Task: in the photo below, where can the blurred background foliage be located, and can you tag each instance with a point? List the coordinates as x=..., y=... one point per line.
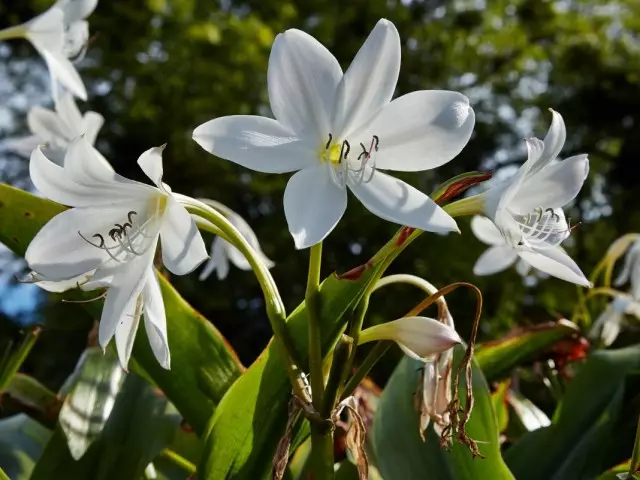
x=156, y=69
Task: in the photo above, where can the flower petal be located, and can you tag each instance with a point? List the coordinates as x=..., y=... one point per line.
x=486, y=231
x=523, y=268
x=421, y=337
x=69, y=113
x=63, y=71
x=557, y=263
x=47, y=29
x=91, y=124
x=420, y=130
x=218, y=261
x=313, y=205
x=75, y=10
x=127, y=329
x=553, y=142
x=151, y=164
x=302, y=79
x=183, y=248
x=46, y=125
x=59, y=252
x=370, y=81
x=553, y=187
x=396, y=201
x=57, y=286
x=155, y=320
x=494, y=259
x=259, y=143
x=23, y=146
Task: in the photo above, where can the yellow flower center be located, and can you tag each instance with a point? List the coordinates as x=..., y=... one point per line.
x=331, y=154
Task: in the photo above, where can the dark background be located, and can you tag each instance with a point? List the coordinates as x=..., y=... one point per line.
x=156, y=69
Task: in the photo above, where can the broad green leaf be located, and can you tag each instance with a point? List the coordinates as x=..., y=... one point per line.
x=497, y=359
x=402, y=455
x=29, y=392
x=571, y=447
x=93, y=388
x=21, y=442
x=140, y=425
x=499, y=401
x=203, y=365
x=619, y=472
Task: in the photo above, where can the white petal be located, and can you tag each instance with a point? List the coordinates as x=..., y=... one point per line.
x=218, y=261
x=70, y=114
x=313, y=205
x=420, y=130
x=59, y=252
x=534, y=148
x=396, y=201
x=122, y=296
x=302, y=80
x=155, y=320
x=127, y=329
x=259, y=143
x=370, y=81
x=486, y=231
x=47, y=30
x=556, y=263
x=494, y=259
x=235, y=256
x=75, y=10
x=91, y=124
x=553, y=187
x=523, y=268
x=63, y=71
x=56, y=286
x=421, y=337
x=47, y=126
x=183, y=248
x=23, y=145
x=151, y=164
x=553, y=142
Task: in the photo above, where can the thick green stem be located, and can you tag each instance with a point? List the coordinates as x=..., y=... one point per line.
x=13, y=32
x=315, y=347
x=15, y=360
x=321, y=460
x=340, y=355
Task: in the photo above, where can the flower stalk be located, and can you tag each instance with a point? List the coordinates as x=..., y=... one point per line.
x=14, y=361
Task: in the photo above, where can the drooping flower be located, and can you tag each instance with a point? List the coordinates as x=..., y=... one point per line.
x=499, y=256
x=109, y=240
x=341, y=130
x=58, y=34
x=631, y=270
x=527, y=208
x=223, y=252
x=419, y=337
x=609, y=324
x=55, y=130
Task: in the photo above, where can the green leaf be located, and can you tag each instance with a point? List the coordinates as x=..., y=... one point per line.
x=571, y=447
x=140, y=425
x=499, y=402
x=497, y=359
x=29, y=392
x=21, y=442
x=94, y=386
x=203, y=365
x=400, y=451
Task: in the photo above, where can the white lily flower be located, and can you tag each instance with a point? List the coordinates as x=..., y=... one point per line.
x=631, y=270
x=340, y=130
x=109, y=240
x=419, y=337
x=609, y=324
x=56, y=129
x=58, y=34
x=223, y=252
x=527, y=211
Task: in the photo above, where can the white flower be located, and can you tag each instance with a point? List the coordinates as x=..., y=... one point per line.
x=223, y=252
x=527, y=208
x=339, y=130
x=499, y=256
x=58, y=34
x=608, y=325
x=56, y=129
x=419, y=337
x=109, y=240
x=631, y=270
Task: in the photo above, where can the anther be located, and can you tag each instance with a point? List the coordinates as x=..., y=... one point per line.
x=344, y=151
x=97, y=235
x=377, y=142
x=132, y=212
x=326, y=147
x=554, y=215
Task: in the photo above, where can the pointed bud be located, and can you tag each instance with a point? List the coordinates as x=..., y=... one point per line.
x=418, y=337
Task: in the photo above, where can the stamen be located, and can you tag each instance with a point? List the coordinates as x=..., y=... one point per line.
x=377, y=140
x=97, y=235
x=326, y=147
x=133, y=212
x=344, y=151
x=102, y=295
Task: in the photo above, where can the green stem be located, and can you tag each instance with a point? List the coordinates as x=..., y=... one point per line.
x=321, y=459
x=354, y=333
x=179, y=461
x=365, y=367
x=467, y=206
x=315, y=348
x=17, y=358
x=3, y=476
x=13, y=32
x=340, y=355
x=635, y=458
x=213, y=221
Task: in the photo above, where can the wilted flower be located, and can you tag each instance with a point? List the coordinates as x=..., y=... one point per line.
x=340, y=130
x=223, y=252
x=527, y=211
x=631, y=270
x=58, y=34
x=55, y=130
x=109, y=240
x=608, y=325
x=419, y=337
